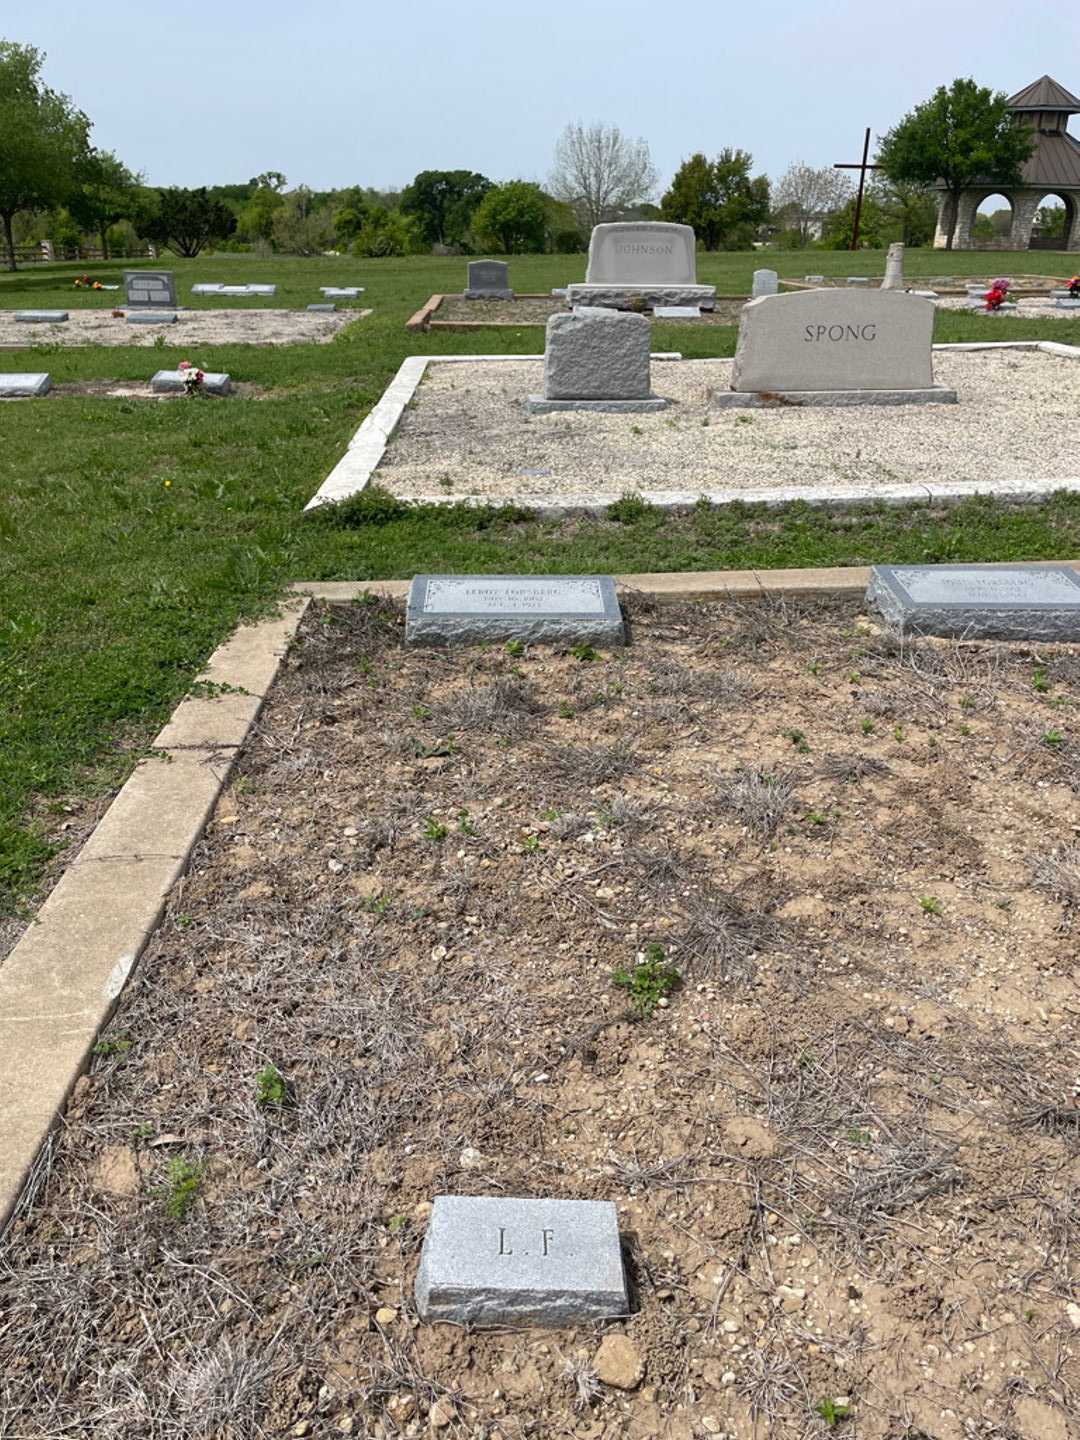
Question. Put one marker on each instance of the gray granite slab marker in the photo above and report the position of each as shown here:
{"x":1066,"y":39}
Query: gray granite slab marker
{"x":1067,"y":304}
{"x":322,"y":309}
{"x":207,"y":288}
{"x":171,"y":382}
{"x":342,"y":292}
{"x":489,"y":280}
{"x":858,"y":280}
{"x":147,"y":318}
{"x":18,"y":386}
{"x":262,"y":289}
{"x":470,"y":609}
{"x":150,"y":287}
{"x":1011,"y":602}
{"x":41,"y":317}
{"x":677,"y":312}
{"x":488,"y":1260}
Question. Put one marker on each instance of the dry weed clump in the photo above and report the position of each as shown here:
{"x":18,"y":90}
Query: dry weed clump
{"x":843,"y":1148}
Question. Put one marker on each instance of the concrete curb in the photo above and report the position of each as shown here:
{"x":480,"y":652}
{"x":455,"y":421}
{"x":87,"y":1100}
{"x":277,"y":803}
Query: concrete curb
{"x":354,"y":470}
{"x":59,"y":984}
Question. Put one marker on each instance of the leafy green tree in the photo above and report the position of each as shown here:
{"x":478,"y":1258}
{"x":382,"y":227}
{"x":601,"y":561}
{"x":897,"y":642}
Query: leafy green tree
{"x":961,"y":136}
{"x":512,"y":218}
{"x":256,"y":219}
{"x":873,"y":226}
{"x":187,"y":221}
{"x":719,"y":199}
{"x":910,"y":207}
{"x":105,"y":191}
{"x":387,"y":232}
{"x":42,"y":139}
{"x":301,"y":225}
{"x":443,"y":202}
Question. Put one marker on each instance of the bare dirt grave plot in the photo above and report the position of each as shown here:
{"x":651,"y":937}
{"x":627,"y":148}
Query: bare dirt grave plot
{"x":465,"y":433}
{"x":256,"y":326}
{"x":530,"y":310}
{"x":844,"y":1152}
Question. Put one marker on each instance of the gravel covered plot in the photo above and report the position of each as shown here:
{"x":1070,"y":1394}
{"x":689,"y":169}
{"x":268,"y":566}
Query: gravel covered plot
{"x":466,"y":433}
{"x":844,"y":1152}
{"x":1037,"y":307}
{"x":257,"y":326}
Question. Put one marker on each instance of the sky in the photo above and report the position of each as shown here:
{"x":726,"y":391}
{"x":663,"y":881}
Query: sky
{"x":346,"y":92}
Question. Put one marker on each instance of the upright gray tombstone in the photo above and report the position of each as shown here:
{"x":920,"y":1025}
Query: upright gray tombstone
{"x":834,"y":347}
{"x":487,"y":1260}
{"x":489,"y":280}
{"x":766,"y":282}
{"x":473,"y":609}
{"x":894,"y":267}
{"x":149,"y":288}
{"x":1011,"y":602}
{"x":596,"y":359}
{"x":646,"y":261}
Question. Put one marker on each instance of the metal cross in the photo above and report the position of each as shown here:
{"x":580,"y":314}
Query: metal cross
{"x":862,"y":169}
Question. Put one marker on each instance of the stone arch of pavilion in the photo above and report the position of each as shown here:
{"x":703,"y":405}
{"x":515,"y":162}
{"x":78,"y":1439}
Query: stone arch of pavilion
{"x":1052,"y":168}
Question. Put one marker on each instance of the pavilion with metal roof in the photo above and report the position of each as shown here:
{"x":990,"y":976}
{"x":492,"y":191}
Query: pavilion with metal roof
{"x":1051,"y":170}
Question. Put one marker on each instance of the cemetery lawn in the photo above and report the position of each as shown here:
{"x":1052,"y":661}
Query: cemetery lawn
{"x":135,"y":534}
{"x":843,"y":1148}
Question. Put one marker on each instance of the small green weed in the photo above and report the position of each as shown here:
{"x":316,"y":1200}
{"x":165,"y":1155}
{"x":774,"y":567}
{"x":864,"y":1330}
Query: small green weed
{"x":815,"y":817}
{"x":867,"y":726}
{"x":531,"y":844}
{"x":464,"y":824}
{"x":898,"y":734}
{"x":181,"y":1189}
{"x":832,"y":1413}
{"x":798,"y":739}
{"x":631,"y":508}
{"x":1039,"y":681}
{"x":435,"y":830}
{"x":585,"y":653}
{"x":1053,"y":739}
{"x":375,"y":904}
{"x":120,"y":1045}
{"x":566,"y":711}
{"x":515,"y":647}
{"x":931,"y":905}
{"x":421,"y":712}
{"x":271,"y":1087}
{"x":650,"y":980}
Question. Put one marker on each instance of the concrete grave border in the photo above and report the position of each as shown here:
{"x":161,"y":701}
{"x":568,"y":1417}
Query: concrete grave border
{"x":354,"y":470}
{"x":63,"y":978}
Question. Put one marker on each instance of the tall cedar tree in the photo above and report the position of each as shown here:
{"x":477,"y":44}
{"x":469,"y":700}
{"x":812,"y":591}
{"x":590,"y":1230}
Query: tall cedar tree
{"x":718,"y":198}
{"x":962,"y":136}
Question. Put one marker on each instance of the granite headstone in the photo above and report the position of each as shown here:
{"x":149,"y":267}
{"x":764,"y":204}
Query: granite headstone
{"x":766,"y":282}
{"x":649,"y":260}
{"x":596,"y":359}
{"x":489,"y":280}
{"x":488,"y":1260}
{"x":1012,"y":602}
{"x":469,"y":609}
{"x":150,"y":287}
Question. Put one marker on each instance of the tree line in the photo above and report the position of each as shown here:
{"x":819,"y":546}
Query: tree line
{"x":55,"y":184}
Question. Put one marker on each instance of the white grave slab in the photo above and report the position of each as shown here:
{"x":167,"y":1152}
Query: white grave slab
{"x":468,"y":609}
{"x":18,"y":386}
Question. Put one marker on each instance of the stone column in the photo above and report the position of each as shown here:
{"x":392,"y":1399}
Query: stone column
{"x":1024,"y":203}
{"x":965,"y":219}
{"x":1072,"y":234}
{"x":941,"y":232}
{"x":894,"y":267}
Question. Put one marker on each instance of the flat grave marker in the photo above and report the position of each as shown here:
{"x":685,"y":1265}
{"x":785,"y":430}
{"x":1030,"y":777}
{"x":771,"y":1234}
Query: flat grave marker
{"x":41,"y":317}
{"x":323,"y":308}
{"x":1005,"y":602}
{"x":341,"y":292}
{"x":150,"y":287}
{"x":18,"y":386}
{"x":171,"y":382}
{"x":487,"y":1260}
{"x":148,"y":318}
{"x":472,"y":609}
{"x":677,"y":312}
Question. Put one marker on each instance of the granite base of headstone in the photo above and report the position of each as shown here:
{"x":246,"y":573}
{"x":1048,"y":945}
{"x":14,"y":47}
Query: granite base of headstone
{"x":146,"y":317}
{"x":41,"y":317}
{"x":475,"y":609}
{"x":487,"y":1260}
{"x":998,"y":602}
{"x":21,"y":386}
{"x":489,"y":280}
{"x":834,"y":347}
{"x":150,"y":288}
{"x":171,"y":382}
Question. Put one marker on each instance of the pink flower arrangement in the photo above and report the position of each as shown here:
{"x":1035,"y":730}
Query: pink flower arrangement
{"x":999,"y":293}
{"x":193,"y":378}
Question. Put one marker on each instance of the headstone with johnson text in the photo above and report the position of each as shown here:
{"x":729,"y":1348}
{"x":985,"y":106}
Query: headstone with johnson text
{"x":473,"y":609}
{"x":650,"y":262}
{"x":1011,"y":602}
{"x":489,"y":280}
{"x":149,"y":289}
{"x":490,"y":1260}
{"x":834,"y":347}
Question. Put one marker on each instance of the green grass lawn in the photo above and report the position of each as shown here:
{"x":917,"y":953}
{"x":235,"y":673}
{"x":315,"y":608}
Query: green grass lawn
{"x":133,"y":535}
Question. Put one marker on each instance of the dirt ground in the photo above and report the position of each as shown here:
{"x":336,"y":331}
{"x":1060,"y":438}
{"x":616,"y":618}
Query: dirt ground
{"x":456,"y":308}
{"x":844,"y":1151}
{"x":235,"y":326}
